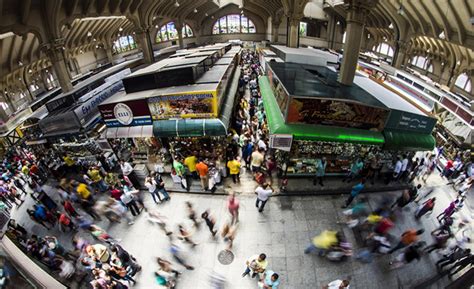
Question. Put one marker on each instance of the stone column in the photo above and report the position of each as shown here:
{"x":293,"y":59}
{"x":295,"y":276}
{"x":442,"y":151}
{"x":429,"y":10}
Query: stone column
{"x":145,"y":43}
{"x":357,"y":12}
{"x":55,"y":53}
{"x":275,"y":30}
{"x":179,"y":27}
{"x":400,"y":54}
{"x":108,"y":52}
{"x":293,"y":31}
{"x":331,"y":31}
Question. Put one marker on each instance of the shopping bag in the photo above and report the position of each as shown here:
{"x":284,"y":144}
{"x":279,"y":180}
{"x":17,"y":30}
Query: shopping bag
{"x":184,"y":183}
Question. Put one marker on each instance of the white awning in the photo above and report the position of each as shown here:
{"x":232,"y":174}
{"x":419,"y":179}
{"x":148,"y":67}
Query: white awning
{"x":129,"y":132}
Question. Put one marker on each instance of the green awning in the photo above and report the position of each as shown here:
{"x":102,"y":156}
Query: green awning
{"x":189,"y":127}
{"x":277,"y":124}
{"x":406,"y":141}
{"x":201,"y":126}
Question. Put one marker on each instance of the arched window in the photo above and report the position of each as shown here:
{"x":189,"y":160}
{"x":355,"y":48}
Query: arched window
{"x":385,"y":49}
{"x":123,"y":44}
{"x":168,"y":32}
{"x":464,"y":82}
{"x":233,"y":23}
{"x":421,"y":62}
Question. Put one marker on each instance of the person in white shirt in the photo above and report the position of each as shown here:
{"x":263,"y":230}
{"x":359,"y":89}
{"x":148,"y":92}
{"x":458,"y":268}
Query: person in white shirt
{"x":397,"y":170}
{"x":338,"y":284}
{"x":127,"y":170}
{"x":263,"y":193}
{"x":404,"y":167}
{"x":151,"y":186}
{"x":262,"y":145}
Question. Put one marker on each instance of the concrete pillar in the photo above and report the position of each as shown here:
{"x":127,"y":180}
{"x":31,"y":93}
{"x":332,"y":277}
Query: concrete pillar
{"x":55,"y":53}
{"x":357,"y":12}
{"x":110,"y":55}
{"x":400,"y":54}
{"x":331,"y":31}
{"x":275,"y":30}
{"x":145,"y":43}
{"x":293,"y":31}
{"x":179,"y":27}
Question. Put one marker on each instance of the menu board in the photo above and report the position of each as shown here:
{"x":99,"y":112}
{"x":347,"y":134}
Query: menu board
{"x":336,"y":113}
{"x":201,"y":104}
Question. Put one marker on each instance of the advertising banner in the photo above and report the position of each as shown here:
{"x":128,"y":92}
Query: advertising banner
{"x":406,"y":121}
{"x":127,"y":113}
{"x":279,"y":91}
{"x":88,"y":109}
{"x":201,"y":104}
{"x":336,"y":113}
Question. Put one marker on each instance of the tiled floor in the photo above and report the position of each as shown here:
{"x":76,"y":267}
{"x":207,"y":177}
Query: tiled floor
{"x":282,"y":232}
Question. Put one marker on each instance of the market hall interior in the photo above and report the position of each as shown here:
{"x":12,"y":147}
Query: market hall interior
{"x":236,"y":144}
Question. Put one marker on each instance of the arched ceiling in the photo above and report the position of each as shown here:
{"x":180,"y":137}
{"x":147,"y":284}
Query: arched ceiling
{"x":419,"y":23}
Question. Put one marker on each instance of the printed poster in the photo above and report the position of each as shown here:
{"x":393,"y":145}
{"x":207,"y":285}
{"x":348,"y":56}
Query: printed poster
{"x":185,"y":105}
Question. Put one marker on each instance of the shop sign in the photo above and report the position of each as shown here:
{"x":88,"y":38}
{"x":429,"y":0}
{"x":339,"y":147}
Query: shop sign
{"x":281,"y":141}
{"x":336,"y":113}
{"x":90,"y":106}
{"x":410,"y":122}
{"x":123,"y":113}
{"x":201,"y":104}
{"x":127,"y":113}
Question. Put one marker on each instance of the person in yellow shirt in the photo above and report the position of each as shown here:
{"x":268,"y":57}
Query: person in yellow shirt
{"x":234,"y":169}
{"x":190,"y":163}
{"x":94,"y":174}
{"x":83,"y":191}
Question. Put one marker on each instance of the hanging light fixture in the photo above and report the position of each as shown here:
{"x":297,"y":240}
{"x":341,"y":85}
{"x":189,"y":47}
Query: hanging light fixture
{"x":120,"y":29}
{"x":176,"y":4}
{"x":89,"y":34}
{"x":195,"y":10}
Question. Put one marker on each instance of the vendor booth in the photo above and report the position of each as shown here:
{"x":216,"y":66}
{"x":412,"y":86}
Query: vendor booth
{"x":160,"y":122}
{"x":311,"y":116}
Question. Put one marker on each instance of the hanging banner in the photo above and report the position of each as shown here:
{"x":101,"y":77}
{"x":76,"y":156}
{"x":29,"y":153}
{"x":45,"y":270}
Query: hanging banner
{"x":336,"y":113}
{"x":127,"y":113}
{"x":202,"y":104}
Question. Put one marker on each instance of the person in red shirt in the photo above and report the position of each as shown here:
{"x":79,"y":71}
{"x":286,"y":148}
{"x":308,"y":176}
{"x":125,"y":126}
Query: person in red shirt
{"x":384,"y":226}
{"x":65,"y":222}
{"x":115,"y":193}
{"x":70,"y":209}
{"x":425,"y":208}
{"x":203,"y":171}
{"x":447,"y":169}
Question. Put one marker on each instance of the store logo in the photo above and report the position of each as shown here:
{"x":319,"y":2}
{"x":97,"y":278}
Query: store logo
{"x":123,"y":113}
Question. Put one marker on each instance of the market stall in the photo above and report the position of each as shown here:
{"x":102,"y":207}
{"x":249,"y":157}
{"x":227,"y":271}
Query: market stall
{"x":311,"y":117}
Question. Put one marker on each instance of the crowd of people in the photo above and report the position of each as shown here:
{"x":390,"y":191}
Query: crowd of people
{"x":88,"y":193}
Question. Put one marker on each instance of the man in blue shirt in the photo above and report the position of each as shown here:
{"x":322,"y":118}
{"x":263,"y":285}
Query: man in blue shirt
{"x":270,"y":280}
{"x":355,"y":192}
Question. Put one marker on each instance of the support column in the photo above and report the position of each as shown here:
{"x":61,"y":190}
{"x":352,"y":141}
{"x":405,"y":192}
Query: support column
{"x":110,"y":55}
{"x":357,"y":12}
{"x":146,"y":45}
{"x":293,"y":31}
{"x":275,"y":29}
{"x":179,"y":27}
{"x":400,"y":54}
{"x":331,"y":31}
{"x":55,"y":53}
